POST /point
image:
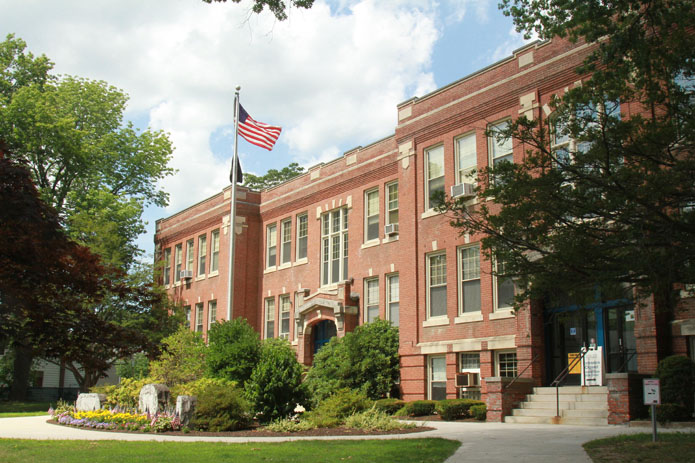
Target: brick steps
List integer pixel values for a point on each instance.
(582, 406)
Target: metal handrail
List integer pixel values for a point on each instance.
(562, 376)
(535, 357)
(627, 360)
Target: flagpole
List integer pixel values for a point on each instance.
(232, 207)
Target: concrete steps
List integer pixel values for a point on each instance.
(582, 406)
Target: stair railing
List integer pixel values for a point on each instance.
(562, 376)
(535, 357)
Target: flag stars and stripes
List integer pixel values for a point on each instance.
(257, 133)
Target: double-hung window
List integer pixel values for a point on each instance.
(437, 377)
(187, 311)
(334, 246)
(371, 215)
(466, 159)
(190, 256)
(469, 364)
(215, 251)
(167, 266)
(202, 254)
(212, 313)
(371, 289)
(500, 145)
(286, 254)
(506, 364)
(269, 317)
(392, 299)
(302, 235)
(178, 255)
(469, 269)
(434, 174)
(392, 203)
(504, 287)
(199, 317)
(271, 246)
(285, 317)
(436, 280)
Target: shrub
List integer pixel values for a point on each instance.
(289, 425)
(197, 387)
(374, 420)
(221, 408)
(420, 407)
(135, 367)
(389, 406)
(677, 383)
(275, 386)
(333, 410)
(454, 409)
(183, 359)
(671, 412)
(234, 349)
(126, 394)
(479, 412)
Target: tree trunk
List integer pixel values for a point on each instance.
(23, 357)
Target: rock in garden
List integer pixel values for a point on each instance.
(185, 406)
(153, 398)
(89, 402)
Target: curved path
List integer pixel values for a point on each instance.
(488, 442)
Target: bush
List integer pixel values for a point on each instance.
(454, 409)
(671, 412)
(234, 349)
(677, 383)
(275, 386)
(420, 408)
(197, 387)
(221, 408)
(375, 420)
(333, 410)
(135, 367)
(289, 425)
(183, 359)
(479, 412)
(125, 394)
(389, 406)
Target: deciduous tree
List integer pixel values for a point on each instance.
(273, 177)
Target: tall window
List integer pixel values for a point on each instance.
(466, 158)
(392, 299)
(190, 257)
(285, 317)
(371, 290)
(199, 317)
(504, 288)
(500, 147)
(469, 261)
(269, 318)
(212, 313)
(469, 362)
(371, 215)
(202, 253)
(302, 235)
(506, 364)
(434, 174)
(334, 246)
(437, 378)
(286, 256)
(167, 266)
(215, 251)
(392, 203)
(436, 279)
(178, 255)
(271, 246)
(187, 311)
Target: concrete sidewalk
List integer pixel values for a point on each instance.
(488, 442)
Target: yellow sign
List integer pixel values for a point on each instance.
(576, 369)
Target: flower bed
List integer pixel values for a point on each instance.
(117, 420)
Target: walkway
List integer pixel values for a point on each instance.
(488, 442)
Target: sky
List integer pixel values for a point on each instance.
(330, 76)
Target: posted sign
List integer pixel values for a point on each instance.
(652, 395)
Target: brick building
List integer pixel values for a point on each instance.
(357, 238)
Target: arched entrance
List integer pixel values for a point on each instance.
(322, 332)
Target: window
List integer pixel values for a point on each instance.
(469, 261)
(504, 288)
(434, 174)
(506, 364)
(269, 318)
(167, 266)
(392, 203)
(285, 317)
(212, 313)
(437, 378)
(199, 317)
(371, 304)
(469, 363)
(334, 246)
(187, 311)
(371, 215)
(302, 235)
(190, 257)
(466, 157)
(271, 246)
(286, 227)
(436, 278)
(177, 262)
(215, 251)
(392, 299)
(202, 254)
(500, 147)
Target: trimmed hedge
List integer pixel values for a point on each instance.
(389, 406)
(479, 412)
(454, 409)
(420, 408)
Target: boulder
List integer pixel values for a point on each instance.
(89, 402)
(185, 407)
(153, 398)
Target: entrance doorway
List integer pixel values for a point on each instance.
(323, 331)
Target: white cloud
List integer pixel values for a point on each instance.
(515, 40)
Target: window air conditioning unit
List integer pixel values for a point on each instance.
(467, 379)
(185, 274)
(391, 229)
(463, 190)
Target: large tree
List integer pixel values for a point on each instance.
(603, 197)
(273, 177)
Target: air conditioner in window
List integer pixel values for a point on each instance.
(463, 190)
(467, 379)
(185, 274)
(391, 229)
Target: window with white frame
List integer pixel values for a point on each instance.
(500, 146)
(391, 203)
(506, 364)
(285, 316)
(371, 215)
(286, 234)
(190, 256)
(436, 375)
(371, 301)
(392, 299)
(178, 256)
(469, 364)
(202, 254)
(434, 174)
(167, 266)
(187, 311)
(215, 251)
(466, 159)
(302, 235)
(271, 246)
(212, 313)
(334, 246)
(269, 317)
(199, 317)
(436, 280)
(504, 287)
(469, 270)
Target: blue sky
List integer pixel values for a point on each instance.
(330, 76)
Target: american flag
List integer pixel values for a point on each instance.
(257, 133)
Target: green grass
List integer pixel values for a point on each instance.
(12, 409)
(378, 451)
(669, 448)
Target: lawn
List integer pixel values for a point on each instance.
(670, 448)
(400, 450)
(11, 409)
